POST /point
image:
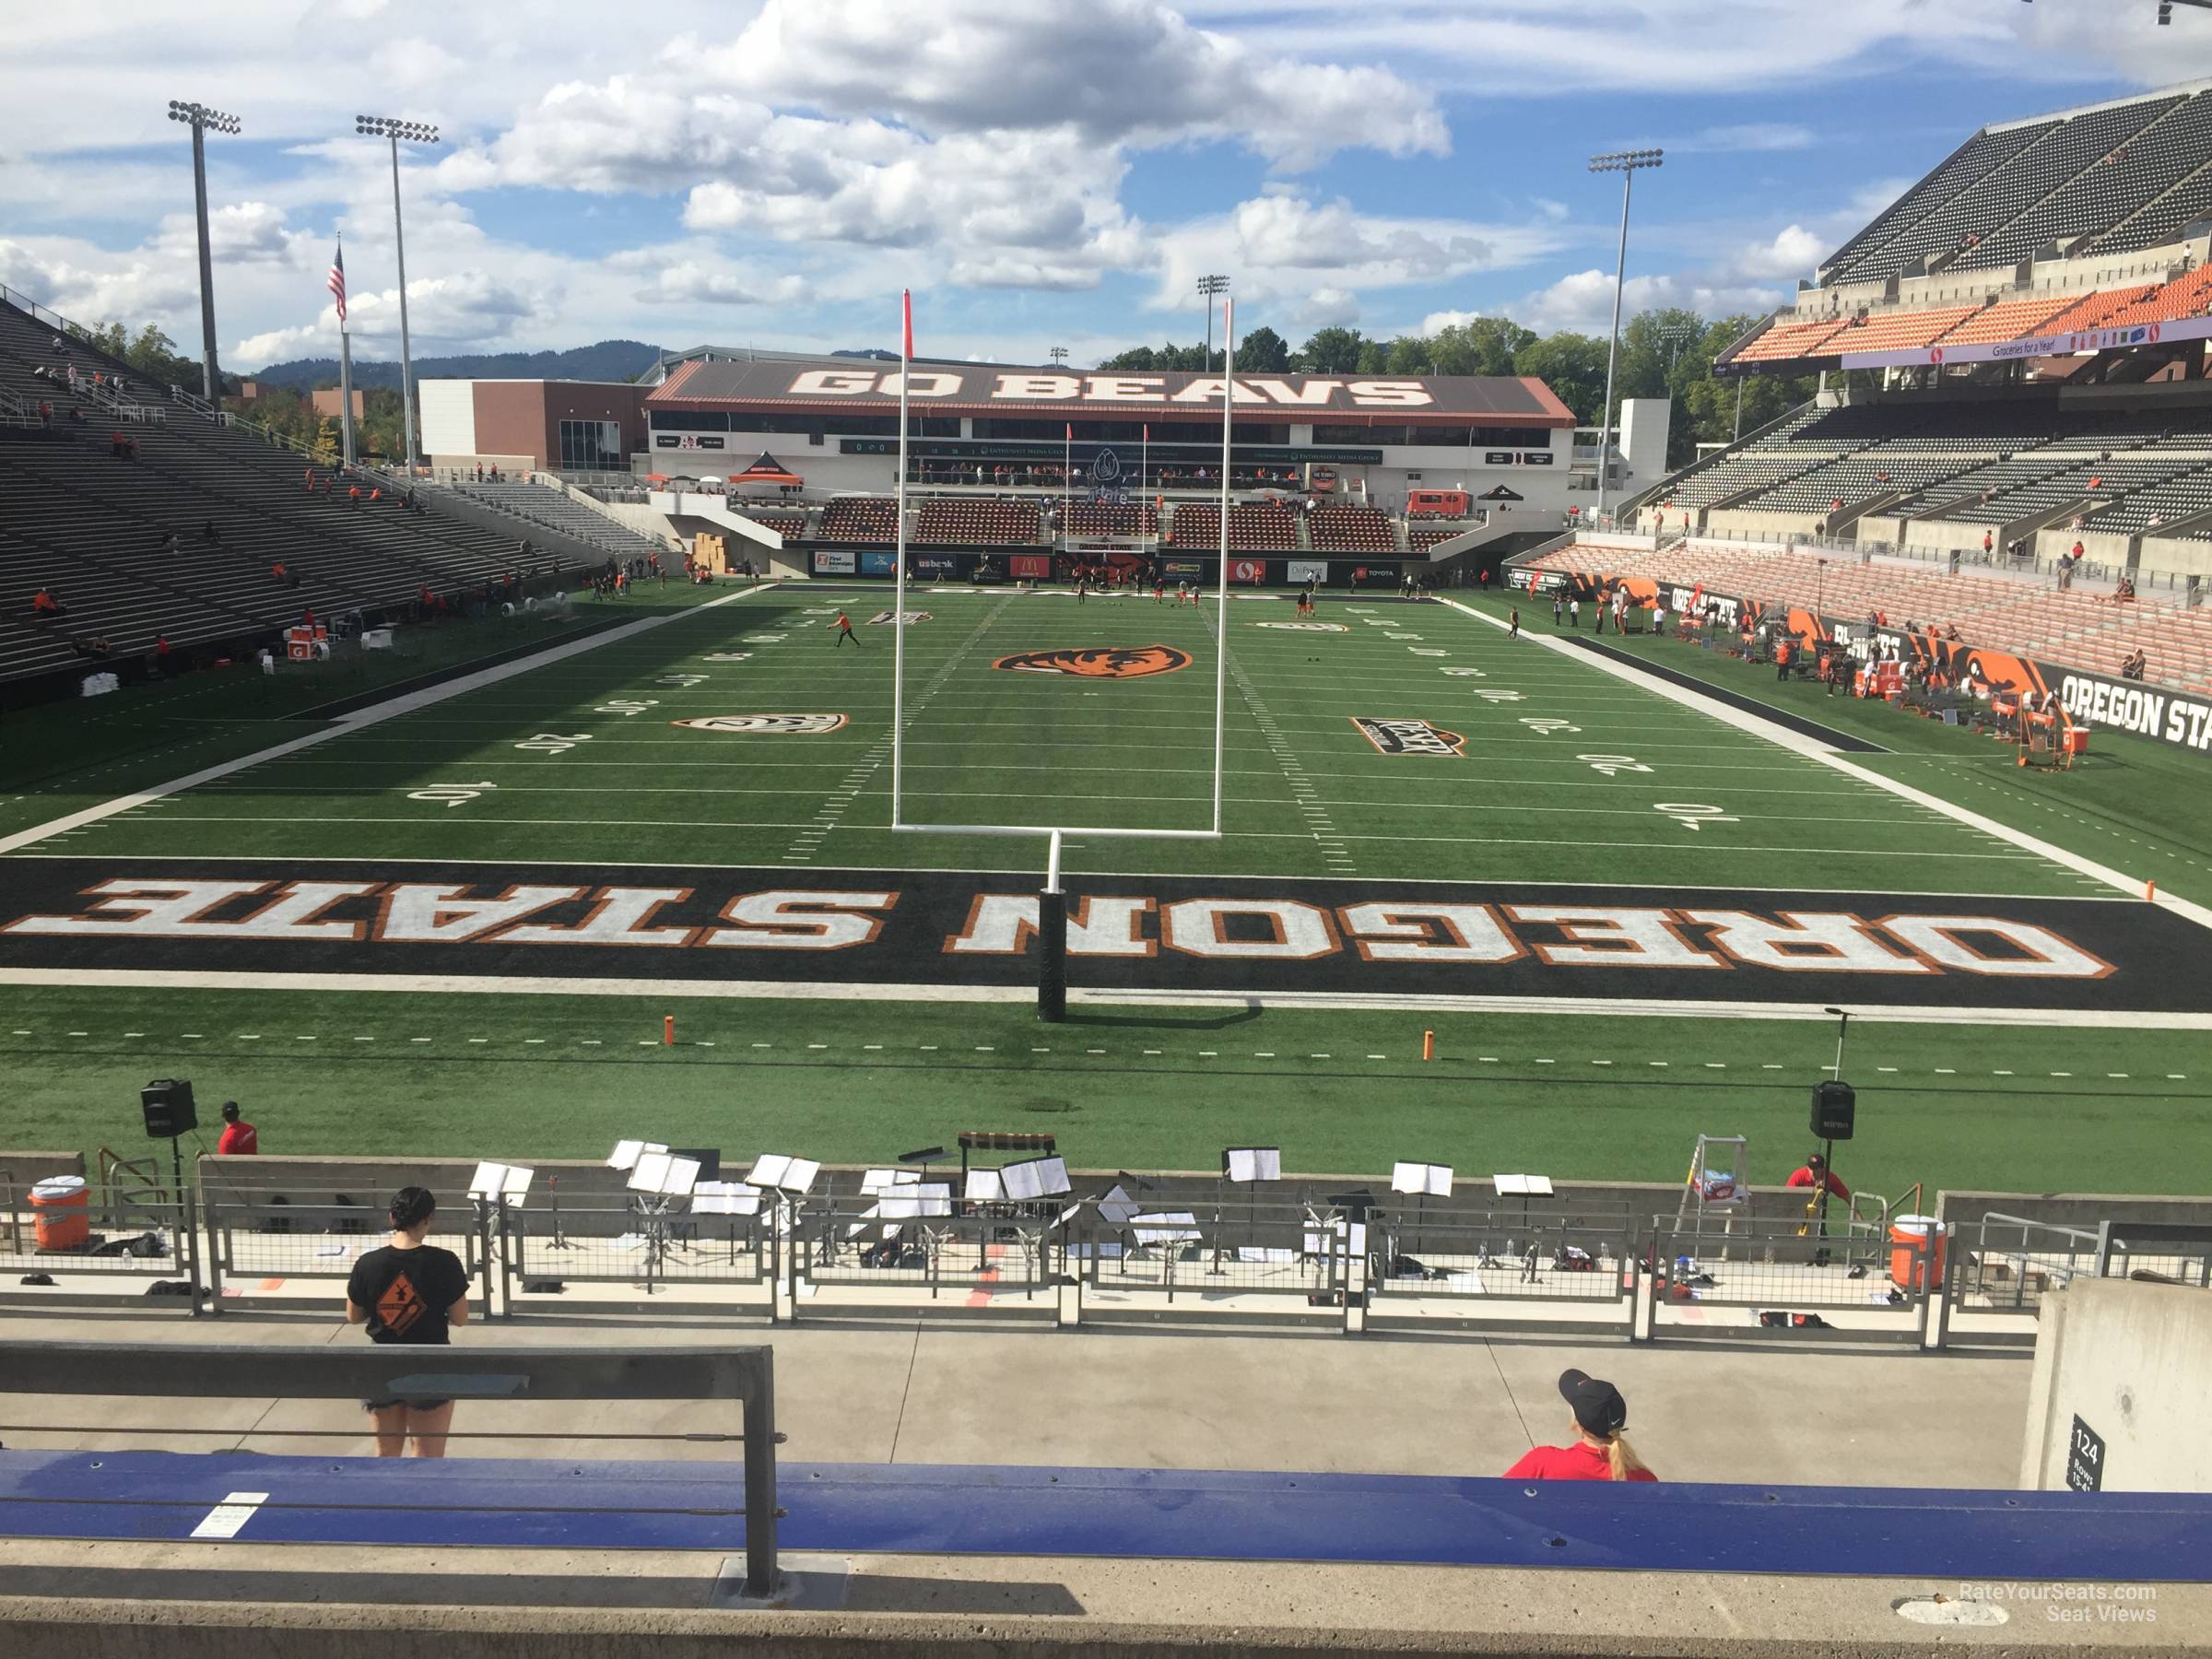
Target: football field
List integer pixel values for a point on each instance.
(1620, 901)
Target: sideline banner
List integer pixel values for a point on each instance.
(2098, 701)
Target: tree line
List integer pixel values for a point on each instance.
(1666, 353)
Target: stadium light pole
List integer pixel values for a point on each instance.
(1207, 287)
(1624, 163)
(413, 132)
(199, 117)
(1058, 354)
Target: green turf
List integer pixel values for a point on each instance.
(1553, 785)
(1568, 773)
(2143, 807)
(59, 758)
(549, 1076)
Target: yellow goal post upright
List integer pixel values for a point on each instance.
(1052, 902)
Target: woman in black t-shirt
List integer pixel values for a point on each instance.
(409, 1292)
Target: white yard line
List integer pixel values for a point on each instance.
(1826, 755)
(147, 979)
(406, 703)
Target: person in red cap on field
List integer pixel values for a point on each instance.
(1600, 1451)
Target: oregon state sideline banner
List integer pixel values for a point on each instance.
(2100, 701)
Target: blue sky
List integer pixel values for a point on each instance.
(1041, 172)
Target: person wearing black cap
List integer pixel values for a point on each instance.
(409, 1292)
(1600, 1451)
(239, 1138)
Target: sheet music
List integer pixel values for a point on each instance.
(1425, 1180)
(627, 1153)
(1255, 1163)
(784, 1173)
(663, 1173)
(876, 1182)
(986, 1186)
(725, 1198)
(1117, 1208)
(1166, 1227)
(1522, 1186)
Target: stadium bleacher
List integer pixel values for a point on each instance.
(1352, 529)
(554, 509)
(1254, 527)
(96, 527)
(975, 523)
(859, 519)
(1109, 518)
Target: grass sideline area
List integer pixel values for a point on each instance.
(59, 758)
(2139, 806)
(1587, 1098)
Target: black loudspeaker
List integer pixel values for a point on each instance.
(1833, 1108)
(169, 1108)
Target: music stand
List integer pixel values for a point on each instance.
(1031, 1183)
(660, 1181)
(923, 1157)
(1247, 1167)
(1171, 1228)
(1117, 1209)
(1527, 1187)
(1421, 1180)
(731, 1198)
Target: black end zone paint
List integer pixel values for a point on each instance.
(1240, 936)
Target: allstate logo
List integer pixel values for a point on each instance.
(1107, 468)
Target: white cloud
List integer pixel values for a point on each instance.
(1752, 135)
(1114, 71)
(703, 279)
(1793, 253)
(1582, 302)
(1281, 244)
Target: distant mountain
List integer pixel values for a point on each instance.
(608, 361)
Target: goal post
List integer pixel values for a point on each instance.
(1051, 982)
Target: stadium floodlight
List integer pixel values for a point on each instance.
(411, 132)
(1058, 354)
(1624, 163)
(1209, 287)
(203, 119)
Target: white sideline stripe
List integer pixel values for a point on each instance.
(163, 979)
(1826, 754)
(406, 703)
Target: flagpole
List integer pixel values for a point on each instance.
(906, 366)
(337, 282)
(1229, 357)
(1067, 472)
(1143, 488)
(346, 391)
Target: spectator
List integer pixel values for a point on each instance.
(43, 605)
(2136, 666)
(353, 494)
(1988, 541)
(208, 533)
(46, 416)
(1601, 1451)
(239, 1138)
(161, 653)
(409, 1293)
(479, 472)
(280, 571)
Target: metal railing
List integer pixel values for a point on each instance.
(64, 1370)
(543, 1250)
(1852, 1282)
(159, 1244)
(256, 1237)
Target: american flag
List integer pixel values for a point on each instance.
(336, 284)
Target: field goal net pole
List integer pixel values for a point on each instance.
(1052, 901)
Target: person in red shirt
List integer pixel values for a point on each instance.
(845, 630)
(239, 1138)
(1816, 1174)
(1600, 1451)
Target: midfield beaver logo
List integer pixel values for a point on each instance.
(1100, 662)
